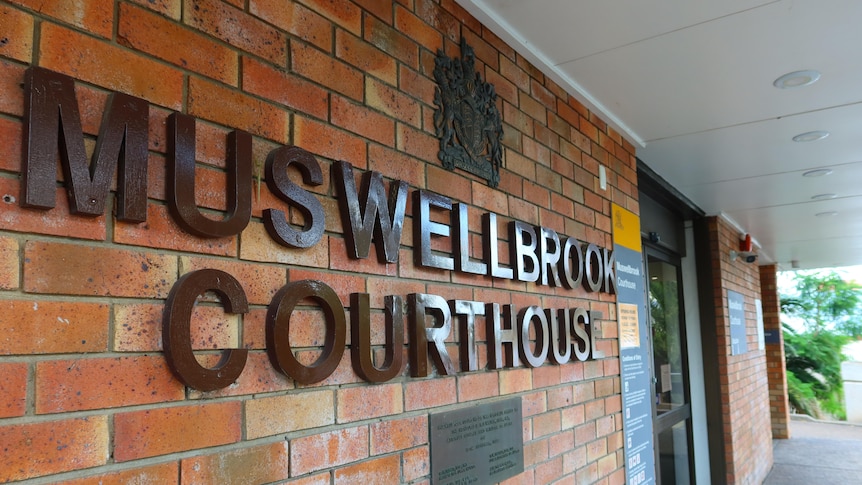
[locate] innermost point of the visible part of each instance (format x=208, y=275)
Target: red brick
x=296, y=20
x=284, y=88
x=95, y=61
x=56, y=221
x=141, y=434
x=269, y=416
x=345, y=14
x=366, y=57
x=417, y=463
x=82, y=384
x=237, y=28
x=138, y=328
x=322, y=69
x=448, y=183
x=161, y=473
x=13, y=389
x=392, y=102
x=480, y=385
x=94, y=16
x=417, y=143
x=396, y=165
x=392, y=41
x=12, y=101
x=515, y=380
x=17, y=28
x=39, y=449
x=168, y=8
x=259, y=282
x=430, y=393
x=161, y=231
x=362, y=121
x=9, y=274
x=58, y=268
x=420, y=32
x=257, y=377
x=260, y=464
x=230, y=108
x=366, y=402
x=329, y=142
x=398, y=434
x=325, y=450
x=381, y=470
x=382, y=10
x=257, y=245
x=46, y=327
x=153, y=34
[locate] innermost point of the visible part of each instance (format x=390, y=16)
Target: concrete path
x=818, y=453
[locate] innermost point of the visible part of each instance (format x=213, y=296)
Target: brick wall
x=86, y=395
x=777, y=371
x=744, y=389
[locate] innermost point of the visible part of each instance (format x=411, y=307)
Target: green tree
x=828, y=308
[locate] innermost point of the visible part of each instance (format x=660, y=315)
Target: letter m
x=53, y=128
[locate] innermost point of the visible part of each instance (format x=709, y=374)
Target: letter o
x=278, y=331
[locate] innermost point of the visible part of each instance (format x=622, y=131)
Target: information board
x=477, y=445
x=736, y=313
x=634, y=348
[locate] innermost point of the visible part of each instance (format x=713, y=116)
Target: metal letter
x=572, y=263
x=359, y=223
x=561, y=335
x=526, y=317
x=277, y=163
x=176, y=329
x=498, y=336
x=582, y=346
x=424, y=227
x=52, y=127
x=609, y=283
x=491, y=248
x=593, y=272
x=278, y=331
x=595, y=353
x=360, y=335
x=462, y=240
x=526, y=261
x=467, y=310
x=424, y=339
x=549, y=255
x=181, y=181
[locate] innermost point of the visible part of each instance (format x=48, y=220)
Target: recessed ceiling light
x=820, y=172
x=797, y=79
x=824, y=196
x=810, y=136
x=826, y=214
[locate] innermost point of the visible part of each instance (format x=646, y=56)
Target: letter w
x=53, y=127
x=359, y=222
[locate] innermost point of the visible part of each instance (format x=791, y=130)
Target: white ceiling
x=690, y=83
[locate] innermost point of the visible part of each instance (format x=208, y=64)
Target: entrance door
x=672, y=403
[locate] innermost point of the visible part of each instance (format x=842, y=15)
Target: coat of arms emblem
x=466, y=119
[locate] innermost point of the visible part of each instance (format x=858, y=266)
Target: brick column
x=778, y=406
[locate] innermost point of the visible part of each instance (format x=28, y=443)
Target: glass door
x=671, y=404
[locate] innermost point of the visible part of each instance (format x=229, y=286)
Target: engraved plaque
x=477, y=445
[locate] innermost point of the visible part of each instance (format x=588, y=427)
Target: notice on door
x=634, y=350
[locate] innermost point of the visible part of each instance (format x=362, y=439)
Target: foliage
x=828, y=308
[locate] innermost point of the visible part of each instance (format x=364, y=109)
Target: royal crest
x=466, y=119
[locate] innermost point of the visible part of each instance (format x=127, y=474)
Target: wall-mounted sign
x=529, y=336
x=466, y=119
x=478, y=444
x=736, y=314
x=634, y=348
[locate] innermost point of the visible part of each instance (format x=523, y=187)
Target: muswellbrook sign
x=527, y=336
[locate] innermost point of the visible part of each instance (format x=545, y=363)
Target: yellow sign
x=627, y=228
x=630, y=336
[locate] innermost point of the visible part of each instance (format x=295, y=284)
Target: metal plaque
x=466, y=119
x=477, y=445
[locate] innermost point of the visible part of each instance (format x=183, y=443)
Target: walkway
x=818, y=453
